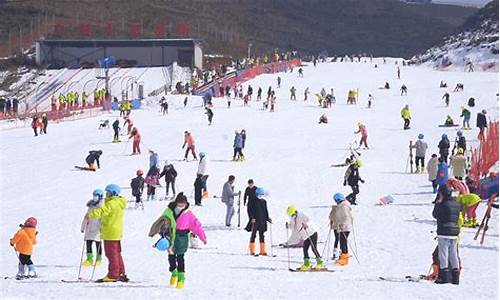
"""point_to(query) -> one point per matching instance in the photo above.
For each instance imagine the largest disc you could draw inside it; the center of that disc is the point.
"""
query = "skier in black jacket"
(249, 196)
(137, 185)
(170, 174)
(446, 212)
(116, 129)
(93, 157)
(352, 178)
(444, 147)
(481, 123)
(259, 216)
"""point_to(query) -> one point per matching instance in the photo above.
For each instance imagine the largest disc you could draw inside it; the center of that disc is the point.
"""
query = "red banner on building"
(85, 29)
(160, 30)
(59, 28)
(134, 30)
(183, 29)
(108, 28)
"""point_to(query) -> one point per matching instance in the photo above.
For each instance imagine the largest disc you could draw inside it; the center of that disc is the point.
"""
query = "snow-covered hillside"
(290, 155)
(476, 42)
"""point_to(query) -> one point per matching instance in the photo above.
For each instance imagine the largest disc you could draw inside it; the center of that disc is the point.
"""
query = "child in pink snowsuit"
(137, 141)
(186, 222)
(364, 135)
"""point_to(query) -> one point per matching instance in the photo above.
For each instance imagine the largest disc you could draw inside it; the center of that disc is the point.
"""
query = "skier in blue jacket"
(238, 146)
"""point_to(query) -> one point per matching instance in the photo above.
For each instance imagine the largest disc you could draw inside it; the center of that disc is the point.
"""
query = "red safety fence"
(245, 75)
(486, 156)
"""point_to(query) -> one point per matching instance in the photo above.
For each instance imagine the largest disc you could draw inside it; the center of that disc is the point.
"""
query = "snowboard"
(84, 168)
(312, 270)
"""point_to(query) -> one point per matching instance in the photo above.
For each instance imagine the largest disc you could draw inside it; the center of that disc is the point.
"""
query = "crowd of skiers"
(9, 107)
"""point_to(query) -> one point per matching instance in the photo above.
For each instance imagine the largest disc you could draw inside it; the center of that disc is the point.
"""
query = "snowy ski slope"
(289, 154)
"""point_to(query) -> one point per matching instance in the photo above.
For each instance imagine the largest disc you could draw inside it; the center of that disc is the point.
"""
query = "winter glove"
(362, 181)
(12, 245)
(345, 183)
(270, 221)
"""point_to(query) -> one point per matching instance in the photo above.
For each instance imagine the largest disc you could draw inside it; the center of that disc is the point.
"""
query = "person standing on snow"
(466, 115)
(200, 183)
(152, 181)
(364, 135)
(303, 229)
(136, 142)
(35, 124)
(238, 146)
(341, 224)
(370, 100)
(301, 72)
(279, 81)
(292, 93)
(185, 224)
(352, 178)
(91, 229)
(111, 216)
(45, 123)
(137, 186)
(116, 130)
(306, 93)
(444, 147)
(442, 173)
(170, 174)
(406, 115)
(228, 198)
(153, 158)
(258, 218)
(23, 242)
(446, 98)
(459, 164)
(461, 142)
(249, 197)
(481, 123)
(130, 125)
(210, 115)
(404, 90)
(447, 214)
(432, 170)
(189, 141)
(259, 94)
(420, 151)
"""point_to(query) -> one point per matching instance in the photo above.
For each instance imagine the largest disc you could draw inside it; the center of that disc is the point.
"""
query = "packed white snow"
(289, 154)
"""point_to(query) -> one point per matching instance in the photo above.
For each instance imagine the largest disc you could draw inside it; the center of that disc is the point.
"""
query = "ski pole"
(313, 247)
(287, 246)
(350, 246)
(354, 235)
(98, 248)
(239, 209)
(81, 260)
(271, 237)
(125, 148)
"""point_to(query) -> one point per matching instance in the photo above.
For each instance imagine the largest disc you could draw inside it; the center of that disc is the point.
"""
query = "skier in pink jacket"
(364, 135)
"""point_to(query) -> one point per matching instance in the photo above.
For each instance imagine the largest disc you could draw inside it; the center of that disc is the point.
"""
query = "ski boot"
(98, 260)
(251, 247)
(434, 274)
(343, 260)
(123, 278)
(31, 272)
(242, 158)
(20, 272)
(335, 253)
(174, 278)
(306, 266)
(263, 249)
(205, 194)
(89, 261)
(106, 279)
(319, 264)
(180, 282)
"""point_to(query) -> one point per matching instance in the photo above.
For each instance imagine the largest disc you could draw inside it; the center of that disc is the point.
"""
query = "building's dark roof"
(97, 43)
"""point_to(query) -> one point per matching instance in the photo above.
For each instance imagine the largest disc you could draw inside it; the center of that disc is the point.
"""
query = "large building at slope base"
(127, 53)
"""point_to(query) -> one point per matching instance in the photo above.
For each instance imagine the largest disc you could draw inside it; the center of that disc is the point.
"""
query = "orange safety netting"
(484, 157)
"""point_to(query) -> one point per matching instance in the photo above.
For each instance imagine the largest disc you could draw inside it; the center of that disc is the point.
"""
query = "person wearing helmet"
(444, 147)
(170, 174)
(137, 185)
(420, 151)
(93, 157)
(341, 223)
(189, 141)
(258, 218)
(302, 228)
(470, 202)
(136, 149)
(460, 141)
(406, 115)
(481, 123)
(238, 146)
(364, 135)
(23, 242)
(111, 216)
(466, 115)
(458, 163)
(432, 171)
(91, 229)
(185, 223)
(352, 178)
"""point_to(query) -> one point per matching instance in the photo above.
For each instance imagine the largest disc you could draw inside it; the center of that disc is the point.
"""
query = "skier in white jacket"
(303, 229)
(200, 183)
(91, 228)
(341, 223)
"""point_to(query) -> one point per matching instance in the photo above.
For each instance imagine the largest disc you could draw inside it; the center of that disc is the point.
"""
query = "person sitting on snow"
(323, 119)
(449, 121)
